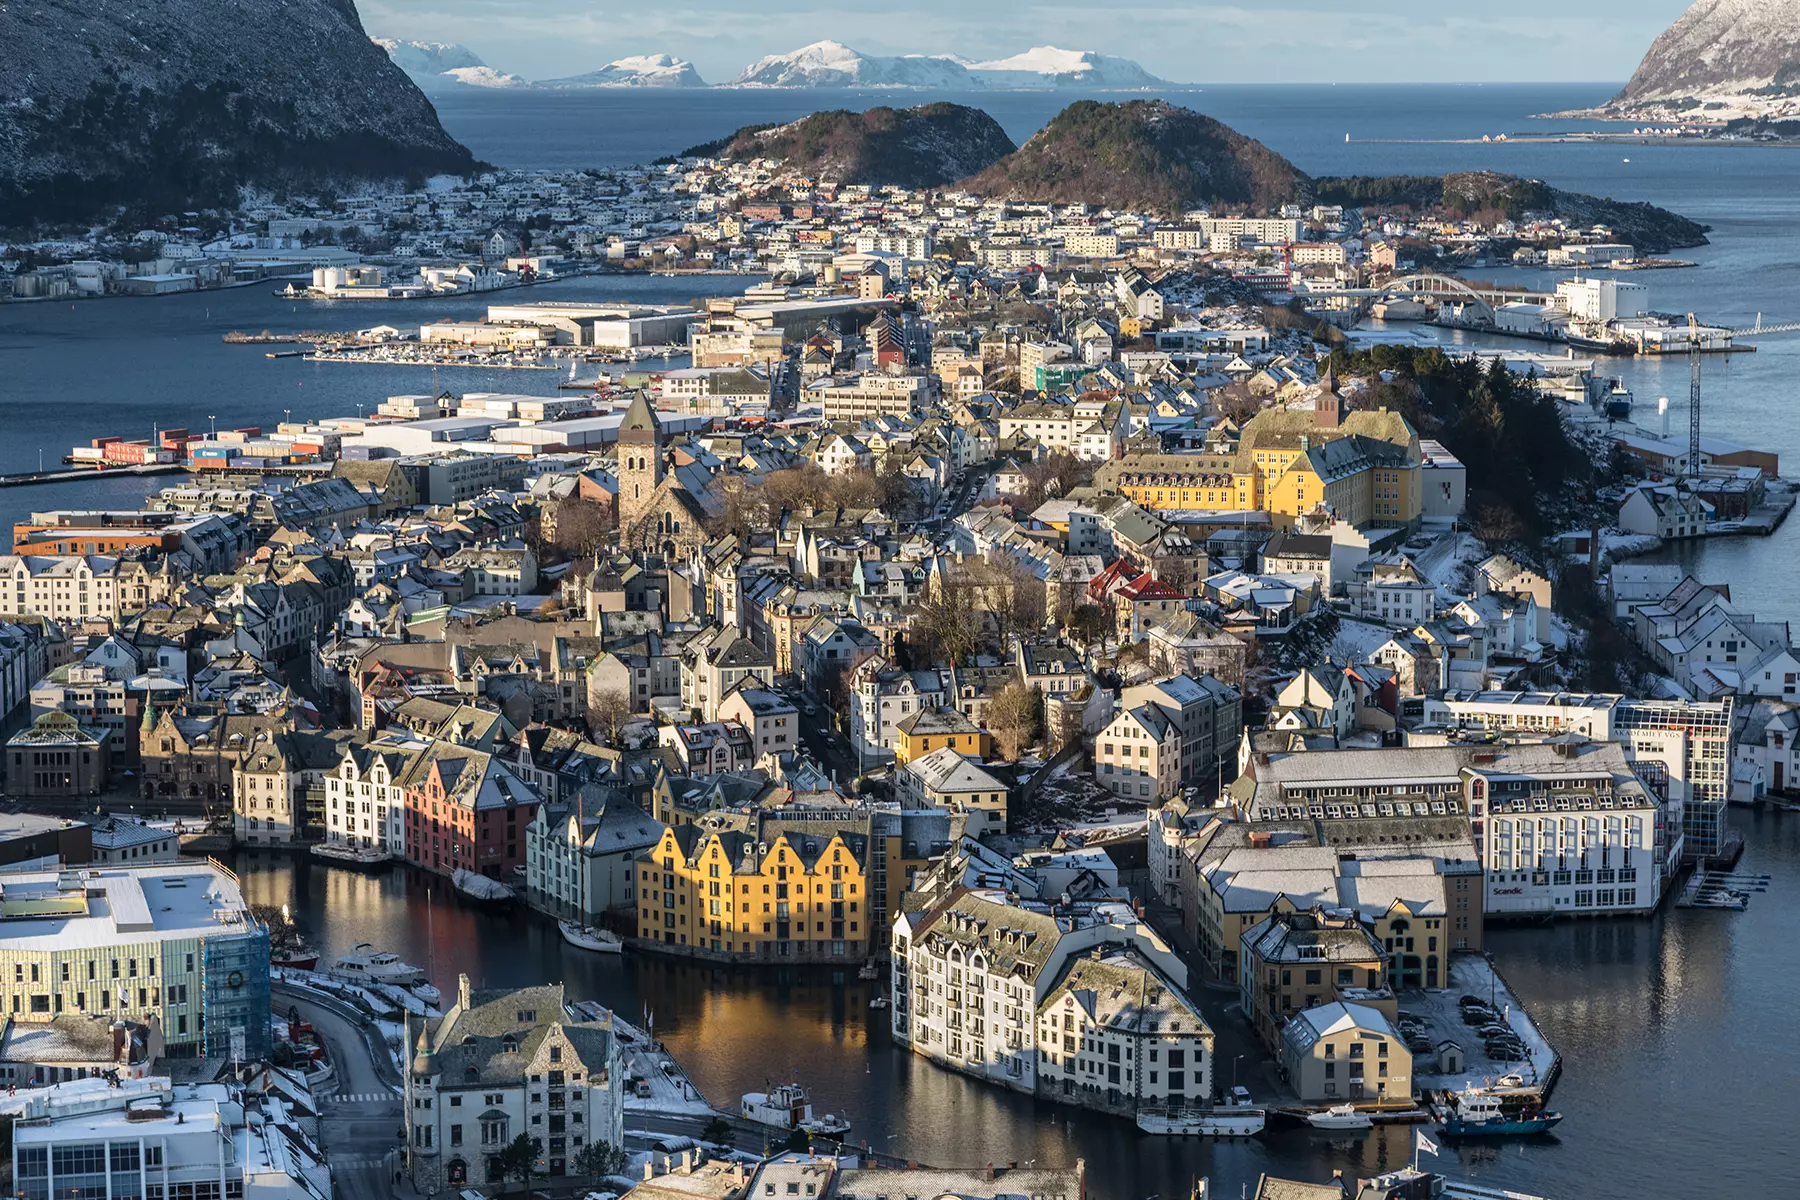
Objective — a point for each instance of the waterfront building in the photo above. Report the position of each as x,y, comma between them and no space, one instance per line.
1341,1052
174,944
972,974
1293,961
581,855
1685,746
500,1063
1115,1033
1552,822
365,796
28,839
152,1139
466,810
790,895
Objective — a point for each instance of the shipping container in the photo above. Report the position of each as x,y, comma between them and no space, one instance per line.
87,453
100,442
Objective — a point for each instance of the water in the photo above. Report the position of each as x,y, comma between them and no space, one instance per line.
1672,1030
1675,1031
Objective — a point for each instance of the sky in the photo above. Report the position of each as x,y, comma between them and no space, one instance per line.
1185,41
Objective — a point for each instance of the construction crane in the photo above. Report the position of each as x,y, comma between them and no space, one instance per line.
1693,454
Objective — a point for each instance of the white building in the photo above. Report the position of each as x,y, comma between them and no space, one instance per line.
501,1063
99,1140
365,797
579,854
882,696
128,841
1602,299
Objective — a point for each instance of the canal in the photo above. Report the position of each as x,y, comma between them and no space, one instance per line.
1675,1034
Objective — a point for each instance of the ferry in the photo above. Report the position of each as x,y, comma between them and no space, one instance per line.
1227,1121
1340,1117
1476,1113
600,941
367,965
787,1108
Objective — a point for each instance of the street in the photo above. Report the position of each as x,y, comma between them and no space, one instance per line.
361,1118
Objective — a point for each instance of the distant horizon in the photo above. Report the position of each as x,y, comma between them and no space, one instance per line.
1533,42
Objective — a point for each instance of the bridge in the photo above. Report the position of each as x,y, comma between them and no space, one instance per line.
1481,295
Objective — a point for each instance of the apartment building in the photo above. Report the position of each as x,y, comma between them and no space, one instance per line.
581,856
80,587
872,396
1295,961
365,797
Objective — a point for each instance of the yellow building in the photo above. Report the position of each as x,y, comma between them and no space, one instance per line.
721,893
937,729
1365,465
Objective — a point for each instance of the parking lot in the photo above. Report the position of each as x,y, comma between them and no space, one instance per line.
1439,1017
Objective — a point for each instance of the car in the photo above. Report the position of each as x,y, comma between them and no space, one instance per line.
1468,1001
1478,1016
1238,1097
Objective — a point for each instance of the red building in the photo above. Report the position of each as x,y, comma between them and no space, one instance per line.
466,810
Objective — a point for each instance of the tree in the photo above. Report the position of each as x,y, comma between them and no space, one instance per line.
583,526
599,1159
607,714
717,1130
1055,474
1012,594
1090,623
519,1159
1014,717
943,623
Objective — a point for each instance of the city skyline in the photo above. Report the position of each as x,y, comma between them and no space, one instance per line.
1533,41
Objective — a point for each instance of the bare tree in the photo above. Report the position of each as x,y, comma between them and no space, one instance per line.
943,623
1014,717
584,526
1011,593
607,714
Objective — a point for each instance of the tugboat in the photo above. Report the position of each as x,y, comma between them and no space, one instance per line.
1340,1117
1618,400
1475,1113
786,1107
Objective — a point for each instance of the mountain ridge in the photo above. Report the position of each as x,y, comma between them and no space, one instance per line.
174,104
925,146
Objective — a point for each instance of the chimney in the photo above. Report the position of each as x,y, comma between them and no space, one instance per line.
462,990
650,1167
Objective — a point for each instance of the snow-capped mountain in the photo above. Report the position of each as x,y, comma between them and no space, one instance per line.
1047,66
435,66
1721,48
833,64
639,70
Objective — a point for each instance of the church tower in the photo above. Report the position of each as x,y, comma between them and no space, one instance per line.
640,462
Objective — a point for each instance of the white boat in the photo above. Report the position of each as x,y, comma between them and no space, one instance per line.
480,888
356,856
787,1108
426,992
1227,1121
601,941
830,1125
365,964
1342,1116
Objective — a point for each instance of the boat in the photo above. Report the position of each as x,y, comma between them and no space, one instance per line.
426,993
1618,400
786,1107
1478,1113
601,941
287,948
365,857
1338,1117
1226,1121
365,964
479,888
830,1125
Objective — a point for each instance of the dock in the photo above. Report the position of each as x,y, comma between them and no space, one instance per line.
86,474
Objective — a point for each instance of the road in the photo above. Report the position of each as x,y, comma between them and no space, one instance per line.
360,1120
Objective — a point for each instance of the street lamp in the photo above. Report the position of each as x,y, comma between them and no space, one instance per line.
214,422
1234,1063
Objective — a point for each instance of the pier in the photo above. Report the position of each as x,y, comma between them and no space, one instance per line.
85,474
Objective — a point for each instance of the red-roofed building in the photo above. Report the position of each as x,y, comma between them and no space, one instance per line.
1145,600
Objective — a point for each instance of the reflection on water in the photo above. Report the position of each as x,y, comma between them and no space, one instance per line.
1677,1011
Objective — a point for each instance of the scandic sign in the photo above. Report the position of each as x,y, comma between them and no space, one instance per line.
1512,891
